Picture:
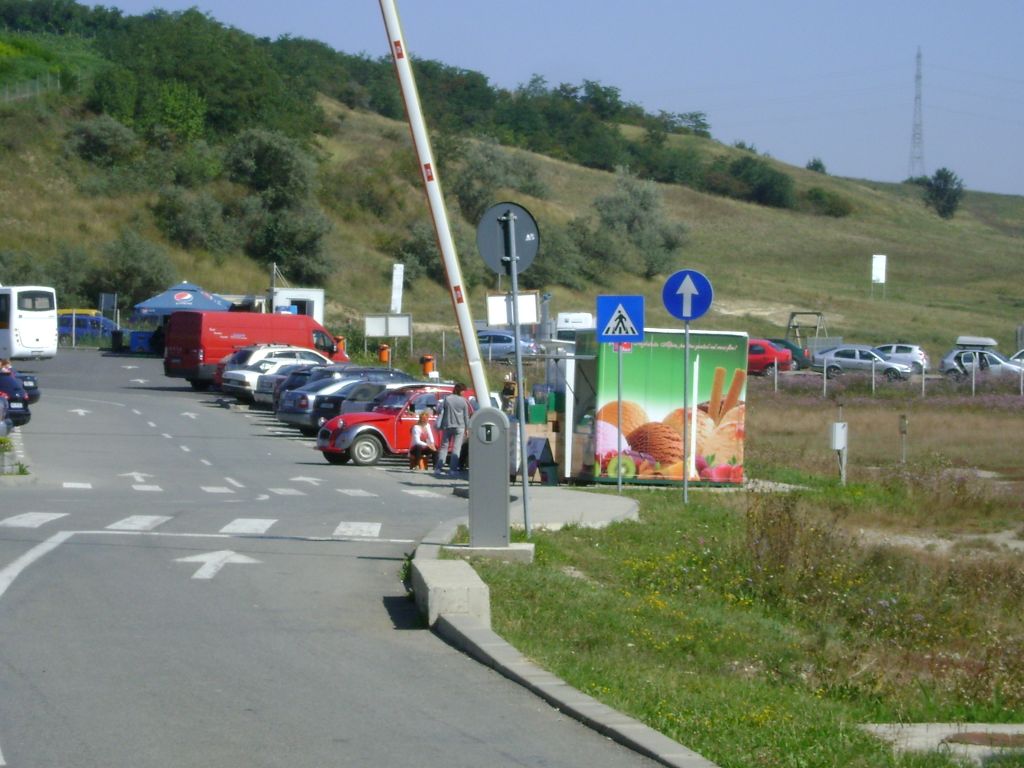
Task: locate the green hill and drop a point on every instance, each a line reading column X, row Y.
column 945, row 277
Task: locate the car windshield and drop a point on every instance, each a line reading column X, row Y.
column 881, row 354
column 390, row 401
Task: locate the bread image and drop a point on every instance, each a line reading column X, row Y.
column 633, row 415
column 659, row 440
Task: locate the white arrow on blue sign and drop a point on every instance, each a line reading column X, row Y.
column 687, row 294
column 620, row 318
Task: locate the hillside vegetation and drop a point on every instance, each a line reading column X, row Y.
column 343, row 201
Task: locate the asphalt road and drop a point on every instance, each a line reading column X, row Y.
column 183, row 584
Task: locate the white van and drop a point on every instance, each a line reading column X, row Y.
column 568, row 324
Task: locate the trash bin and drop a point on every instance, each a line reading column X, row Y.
column 427, row 361
column 384, row 353
column 117, row 341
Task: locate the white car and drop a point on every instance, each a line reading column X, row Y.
column 241, row 382
column 911, row 354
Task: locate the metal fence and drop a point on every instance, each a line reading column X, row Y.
column 30, row 89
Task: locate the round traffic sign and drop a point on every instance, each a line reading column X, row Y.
column 492, row 237
column 687, row 294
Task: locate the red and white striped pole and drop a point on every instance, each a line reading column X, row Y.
column 435, row 200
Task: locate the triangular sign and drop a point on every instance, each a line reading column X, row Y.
column 620, row 324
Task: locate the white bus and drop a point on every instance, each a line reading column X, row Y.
column 28, row 322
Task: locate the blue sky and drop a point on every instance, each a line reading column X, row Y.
column 794, row 78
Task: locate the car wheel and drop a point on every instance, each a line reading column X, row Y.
column 337, row 458
column 892, row 374
column 832, row 371
column 954, row 375
column 769, row 370
column 917, row 368
column 366, row 450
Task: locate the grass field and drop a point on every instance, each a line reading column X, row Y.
column 761, row 629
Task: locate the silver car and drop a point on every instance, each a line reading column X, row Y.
column 988, row 362
column 859, row 357
column 911, row 354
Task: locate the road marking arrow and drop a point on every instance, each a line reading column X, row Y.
column 310, row 480
column 687, row 290
column 212, row 562
column 139, row 381
column 138, row 477
column 129, row 367
column 79, row 411
column 188, row 415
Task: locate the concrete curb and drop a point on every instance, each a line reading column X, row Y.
column 473, row 635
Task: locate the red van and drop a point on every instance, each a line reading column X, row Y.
column 195, row 341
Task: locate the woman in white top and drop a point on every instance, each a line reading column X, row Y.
column 424, row 444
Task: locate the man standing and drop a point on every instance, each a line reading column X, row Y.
column 452, row 423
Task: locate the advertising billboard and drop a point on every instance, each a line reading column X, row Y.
column 654, row 449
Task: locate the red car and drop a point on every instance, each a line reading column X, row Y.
column 364, row 438
column 763, row 357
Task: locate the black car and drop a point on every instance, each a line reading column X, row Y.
column 28, row 381
column 17, row 399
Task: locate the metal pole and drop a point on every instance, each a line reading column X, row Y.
column 618, row 454
column 872, row 377
column 435, row 197
column 686, row 412
column 510, row 245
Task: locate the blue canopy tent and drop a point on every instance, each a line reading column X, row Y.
column 178, row 297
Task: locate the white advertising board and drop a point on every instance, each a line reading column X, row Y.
column 381, row 326
column 499, row 308
column 878, row 268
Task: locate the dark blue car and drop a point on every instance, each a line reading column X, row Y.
column 86, row 328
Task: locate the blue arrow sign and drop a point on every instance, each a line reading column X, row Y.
column 620, row 318
column 687, row 294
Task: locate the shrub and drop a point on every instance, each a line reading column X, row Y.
column 193, row 220
column 815, row 164
column 273, row 165
column 293, row 239
column 829, row 203
column 132, row 267
column 103, row 141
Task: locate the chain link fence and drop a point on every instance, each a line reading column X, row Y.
column 30, row 89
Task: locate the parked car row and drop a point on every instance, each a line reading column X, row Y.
column 358, row 414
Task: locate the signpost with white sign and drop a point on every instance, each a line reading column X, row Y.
column 878, row 273
column 620, row 321
column 687, row 295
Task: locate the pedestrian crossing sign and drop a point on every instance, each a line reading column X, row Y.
column 620, row 318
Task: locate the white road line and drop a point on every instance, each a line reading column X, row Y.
column 356, row 492
column 422, row 494
column 136, row 411
column 287, row 491
column 150, row 423
column 138, row 523
column 81, row 486
column 32, row 519
column 215, row 489
column 232, row 481
column 363, row 530
column 164, row 434
column 207, row 462
column 12, row 571
column 148, row 488
column 249, row 525
column 185, row 448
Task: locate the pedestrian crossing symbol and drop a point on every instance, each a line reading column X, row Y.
column 620, row 318
column 620, row 325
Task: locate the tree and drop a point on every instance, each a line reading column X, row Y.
column 634, row 219
column 943, row 192
column 132, row 267
column 815, row 164
column 273, row 165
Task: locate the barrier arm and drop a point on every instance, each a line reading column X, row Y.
column 435, row 200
